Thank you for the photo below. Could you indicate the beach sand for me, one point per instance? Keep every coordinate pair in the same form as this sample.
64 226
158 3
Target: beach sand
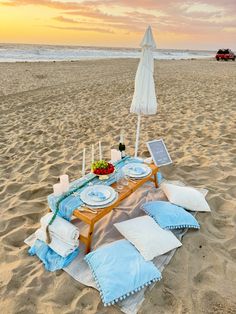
50 111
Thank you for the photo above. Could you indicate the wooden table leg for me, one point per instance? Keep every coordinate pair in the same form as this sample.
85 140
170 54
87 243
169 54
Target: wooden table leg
156 180
90 235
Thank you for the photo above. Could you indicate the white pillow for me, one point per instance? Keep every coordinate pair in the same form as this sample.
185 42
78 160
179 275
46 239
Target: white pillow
186 197
148 238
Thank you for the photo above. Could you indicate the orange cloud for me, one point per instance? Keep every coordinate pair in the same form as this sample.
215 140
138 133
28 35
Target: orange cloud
182 20
48 3
65 20
82 29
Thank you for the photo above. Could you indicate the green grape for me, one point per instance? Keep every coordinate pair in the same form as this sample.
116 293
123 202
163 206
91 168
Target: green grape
101 164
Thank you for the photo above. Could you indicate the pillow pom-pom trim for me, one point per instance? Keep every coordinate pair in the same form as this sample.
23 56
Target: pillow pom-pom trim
123 297
171 227
182 227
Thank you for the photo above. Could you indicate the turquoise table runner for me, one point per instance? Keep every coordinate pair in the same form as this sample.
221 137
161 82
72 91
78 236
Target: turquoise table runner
69 202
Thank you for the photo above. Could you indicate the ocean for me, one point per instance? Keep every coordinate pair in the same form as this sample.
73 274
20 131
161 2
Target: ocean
34 53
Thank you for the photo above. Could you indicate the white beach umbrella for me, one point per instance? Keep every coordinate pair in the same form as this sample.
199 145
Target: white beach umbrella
144 100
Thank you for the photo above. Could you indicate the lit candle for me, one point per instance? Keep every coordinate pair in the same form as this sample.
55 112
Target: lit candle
57 189
92 154
100 150
83 164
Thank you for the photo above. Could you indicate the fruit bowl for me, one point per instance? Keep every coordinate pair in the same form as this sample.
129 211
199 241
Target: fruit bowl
102 169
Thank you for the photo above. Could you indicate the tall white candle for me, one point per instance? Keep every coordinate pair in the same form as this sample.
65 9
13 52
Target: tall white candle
83 164
100 150
92 154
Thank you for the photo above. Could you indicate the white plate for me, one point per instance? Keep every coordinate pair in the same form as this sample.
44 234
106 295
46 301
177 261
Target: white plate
99 188
130 170
108 191
105 205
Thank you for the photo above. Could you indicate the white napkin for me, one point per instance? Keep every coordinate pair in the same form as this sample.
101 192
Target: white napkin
61 229
61 248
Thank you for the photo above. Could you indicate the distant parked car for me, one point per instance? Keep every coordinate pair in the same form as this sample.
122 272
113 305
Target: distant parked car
225 54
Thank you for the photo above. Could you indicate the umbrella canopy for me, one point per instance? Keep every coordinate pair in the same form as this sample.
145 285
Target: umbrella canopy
144 99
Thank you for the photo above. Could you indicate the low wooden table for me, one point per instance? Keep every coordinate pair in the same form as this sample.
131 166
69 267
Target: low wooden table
91 219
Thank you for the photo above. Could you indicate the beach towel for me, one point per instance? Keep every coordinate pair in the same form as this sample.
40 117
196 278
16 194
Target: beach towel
51 260
60 229
61 248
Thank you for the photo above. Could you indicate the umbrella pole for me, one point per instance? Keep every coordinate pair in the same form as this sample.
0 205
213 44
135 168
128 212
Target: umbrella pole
137 136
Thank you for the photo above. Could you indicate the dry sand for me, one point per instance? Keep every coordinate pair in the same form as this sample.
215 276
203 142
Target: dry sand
49 111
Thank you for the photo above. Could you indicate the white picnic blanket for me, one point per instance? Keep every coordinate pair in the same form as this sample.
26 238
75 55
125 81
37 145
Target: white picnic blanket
105 232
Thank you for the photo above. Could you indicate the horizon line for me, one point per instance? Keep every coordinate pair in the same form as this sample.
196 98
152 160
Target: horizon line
106 47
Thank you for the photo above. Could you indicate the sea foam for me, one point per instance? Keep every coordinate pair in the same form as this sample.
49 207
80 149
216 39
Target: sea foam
20 52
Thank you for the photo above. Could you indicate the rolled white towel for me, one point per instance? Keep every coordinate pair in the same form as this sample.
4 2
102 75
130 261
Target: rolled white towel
61 229
61 248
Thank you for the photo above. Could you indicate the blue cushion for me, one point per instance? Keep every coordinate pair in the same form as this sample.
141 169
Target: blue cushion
170 216
120 270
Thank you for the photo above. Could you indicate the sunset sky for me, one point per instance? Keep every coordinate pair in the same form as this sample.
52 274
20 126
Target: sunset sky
200 24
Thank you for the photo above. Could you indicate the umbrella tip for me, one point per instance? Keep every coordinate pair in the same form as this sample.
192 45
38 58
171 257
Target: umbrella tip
148 39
